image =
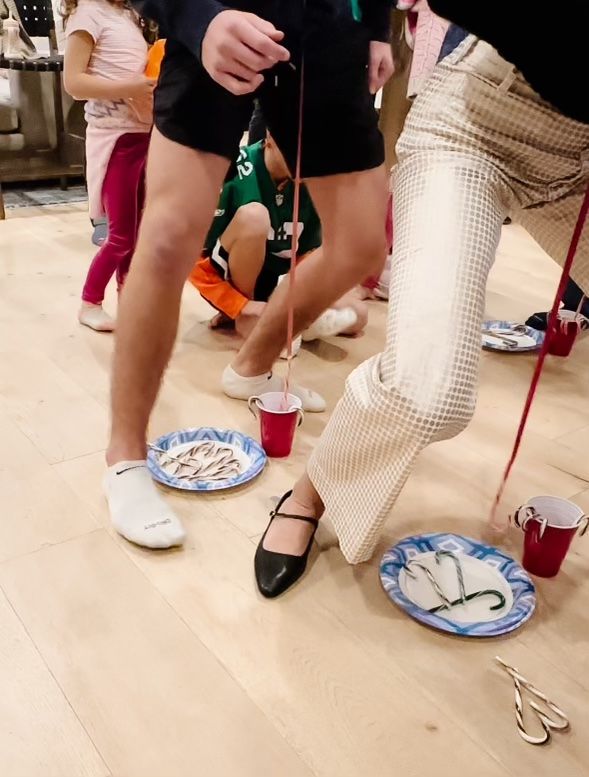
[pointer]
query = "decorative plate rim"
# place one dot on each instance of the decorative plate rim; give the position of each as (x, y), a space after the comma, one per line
(498, 324)
(248, 444)
(392, 563)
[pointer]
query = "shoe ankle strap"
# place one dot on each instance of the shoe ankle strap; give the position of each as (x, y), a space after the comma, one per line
(313, 521)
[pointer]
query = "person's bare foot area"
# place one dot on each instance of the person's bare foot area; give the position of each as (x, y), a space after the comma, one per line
(95, 317)
(221, 321)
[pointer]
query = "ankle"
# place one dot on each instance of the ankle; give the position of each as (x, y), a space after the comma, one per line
(125, 451)
(306, 498)
(246, 368)
(297, 506)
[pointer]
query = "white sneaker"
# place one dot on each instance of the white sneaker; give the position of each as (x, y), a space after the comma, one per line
(238, 387)
(296, 347)
(332, 322)
(382, 289)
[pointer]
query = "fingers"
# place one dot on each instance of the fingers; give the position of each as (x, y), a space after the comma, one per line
(238, 47)
(242, 72)
(251, 59)
(379, 72)
(387, 71)
(266, 28)
(374, 76)
(263, 41)
(237, 86)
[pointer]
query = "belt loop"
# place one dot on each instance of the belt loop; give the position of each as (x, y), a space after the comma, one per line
(509, 80)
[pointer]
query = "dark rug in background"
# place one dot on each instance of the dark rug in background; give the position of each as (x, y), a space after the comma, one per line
(35, 195)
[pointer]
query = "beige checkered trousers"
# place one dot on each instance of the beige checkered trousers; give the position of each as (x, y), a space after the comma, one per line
(479, 144)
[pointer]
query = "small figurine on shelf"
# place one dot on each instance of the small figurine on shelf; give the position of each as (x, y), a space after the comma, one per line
(11, 47)
(15, 43)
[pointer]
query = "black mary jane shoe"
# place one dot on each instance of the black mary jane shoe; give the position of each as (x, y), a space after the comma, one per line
(277, 572)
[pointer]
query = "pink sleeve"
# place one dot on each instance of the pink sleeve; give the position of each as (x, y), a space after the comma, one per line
(85, 18)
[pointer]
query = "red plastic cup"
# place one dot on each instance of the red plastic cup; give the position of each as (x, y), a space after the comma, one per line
(562, 337)
(279, 415)
(549, 523)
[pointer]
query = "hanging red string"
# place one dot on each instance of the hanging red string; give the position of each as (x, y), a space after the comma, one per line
(550, 331)
(295, 236)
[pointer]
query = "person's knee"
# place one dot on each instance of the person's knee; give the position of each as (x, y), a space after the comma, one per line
(360, 254)
(436, 407)
(456, 414)
(170, 242)
(251, 221)
(448, 409)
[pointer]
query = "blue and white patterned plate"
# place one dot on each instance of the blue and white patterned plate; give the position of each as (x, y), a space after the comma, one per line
(529, 339)
(484, 567)
(249, 452)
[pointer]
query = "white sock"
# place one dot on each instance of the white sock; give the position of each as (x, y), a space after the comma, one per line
(95, 317)
(382, 290)
(238, 387)
(296, 347)
(332, 322)
(137, 510)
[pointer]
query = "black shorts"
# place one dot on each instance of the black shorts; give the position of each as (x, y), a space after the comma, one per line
(340, 125)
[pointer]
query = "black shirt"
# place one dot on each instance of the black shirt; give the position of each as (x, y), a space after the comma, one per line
(552, 57)
(187, 21)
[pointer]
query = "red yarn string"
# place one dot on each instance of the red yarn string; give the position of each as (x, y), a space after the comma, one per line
(550, 331)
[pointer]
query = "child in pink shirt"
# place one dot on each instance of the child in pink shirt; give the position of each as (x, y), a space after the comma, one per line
(105, 60)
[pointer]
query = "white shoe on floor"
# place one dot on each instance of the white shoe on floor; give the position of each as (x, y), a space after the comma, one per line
(137, 510)
(95, 317)
(382, 289)
(332, 322)
(238, 387)
(296, 347)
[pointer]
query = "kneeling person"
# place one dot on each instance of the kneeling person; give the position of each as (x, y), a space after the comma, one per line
(248, 249)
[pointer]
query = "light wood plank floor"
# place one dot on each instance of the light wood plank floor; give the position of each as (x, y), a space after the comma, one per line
(115, 662)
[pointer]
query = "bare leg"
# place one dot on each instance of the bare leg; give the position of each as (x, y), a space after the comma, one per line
(182, 191)
(292, 537)
(352, 210)
(417, 391)
(245, 241)
(247, 322)
(354, 244)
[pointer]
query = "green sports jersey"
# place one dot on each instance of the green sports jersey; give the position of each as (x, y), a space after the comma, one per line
(253, 183)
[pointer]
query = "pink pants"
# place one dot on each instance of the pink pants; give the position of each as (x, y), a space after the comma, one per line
(123, 195)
